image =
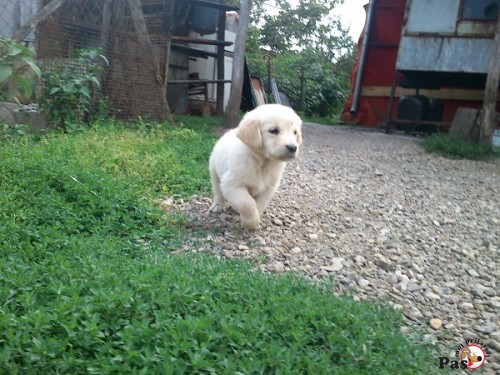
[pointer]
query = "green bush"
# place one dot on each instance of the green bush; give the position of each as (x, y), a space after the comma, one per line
(68, 92)
(14, 58)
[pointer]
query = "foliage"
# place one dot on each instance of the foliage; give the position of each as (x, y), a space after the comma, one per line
(88, 285)
(456, 148)
(310, 55)
(68, 92)
(14, 59)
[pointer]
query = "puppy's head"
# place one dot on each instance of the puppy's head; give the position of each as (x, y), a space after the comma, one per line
(272, 130)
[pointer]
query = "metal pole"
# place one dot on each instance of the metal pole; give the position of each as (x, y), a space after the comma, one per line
(362, 58)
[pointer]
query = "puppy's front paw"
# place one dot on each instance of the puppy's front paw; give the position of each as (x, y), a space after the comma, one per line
(252, 221)
(216, 207)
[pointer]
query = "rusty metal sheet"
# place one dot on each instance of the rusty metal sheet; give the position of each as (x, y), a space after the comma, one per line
(430, 16)
(444, 54)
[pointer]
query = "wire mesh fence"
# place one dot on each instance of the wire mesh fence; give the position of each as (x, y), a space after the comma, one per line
(133, 35)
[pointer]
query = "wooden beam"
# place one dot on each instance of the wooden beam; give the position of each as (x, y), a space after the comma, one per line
(445, 94)
(233, 107)
(196, 81)
(208, 4)
(186, 39)
(221, 35)
(489, 123)
(41, 16)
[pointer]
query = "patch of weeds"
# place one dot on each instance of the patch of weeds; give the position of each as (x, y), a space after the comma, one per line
(457, 149)
(205, 124)
(190, 314)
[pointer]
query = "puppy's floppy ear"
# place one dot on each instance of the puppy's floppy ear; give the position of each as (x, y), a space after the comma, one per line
(249, 132)
(299, 137)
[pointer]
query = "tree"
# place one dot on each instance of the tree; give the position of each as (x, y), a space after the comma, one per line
(312, 55)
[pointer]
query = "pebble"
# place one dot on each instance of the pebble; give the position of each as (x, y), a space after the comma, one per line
(363, 283)
(432, 296)
(435, 323)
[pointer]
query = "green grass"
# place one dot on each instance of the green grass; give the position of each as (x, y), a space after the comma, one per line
(456, 148)
(87, 285)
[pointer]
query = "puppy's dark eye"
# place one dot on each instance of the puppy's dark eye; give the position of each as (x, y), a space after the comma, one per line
(295, 132)
(274, 131)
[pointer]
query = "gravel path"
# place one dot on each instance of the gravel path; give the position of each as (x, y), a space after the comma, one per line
(386, 220)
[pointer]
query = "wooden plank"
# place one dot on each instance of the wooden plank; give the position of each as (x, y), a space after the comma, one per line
(209, 42)
(449, 94)
(208, 4)
(197, 81)
(195, 52)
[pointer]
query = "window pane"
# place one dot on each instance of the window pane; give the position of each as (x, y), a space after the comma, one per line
(480, 9)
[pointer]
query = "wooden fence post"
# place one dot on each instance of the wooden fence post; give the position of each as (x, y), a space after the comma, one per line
(491, 90)
(238, 65)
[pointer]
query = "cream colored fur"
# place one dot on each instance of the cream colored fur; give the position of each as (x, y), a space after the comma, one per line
(247, 162)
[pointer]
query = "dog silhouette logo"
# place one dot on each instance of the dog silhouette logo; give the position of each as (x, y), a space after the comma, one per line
(474, 355)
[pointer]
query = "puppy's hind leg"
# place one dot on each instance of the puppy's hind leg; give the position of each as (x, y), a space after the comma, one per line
(218, 202)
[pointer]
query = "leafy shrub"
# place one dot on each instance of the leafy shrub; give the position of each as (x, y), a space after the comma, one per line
(14, 58)
(68, 92)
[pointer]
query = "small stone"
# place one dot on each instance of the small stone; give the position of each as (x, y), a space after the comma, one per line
(278, 222)
(490, 292)
(363, 283)
(277, 267)
(472, 272)
(336, 265)
(383, 263)
(466, 306)
(296, 250)
(167, 203)
(345, 281)
(243, 247)
(494, 344)
(227, 253)
(487, 328)
(392, 279)
(416, 313)
(436, 323)
(403, 286)
(313, 236)
(432, 296)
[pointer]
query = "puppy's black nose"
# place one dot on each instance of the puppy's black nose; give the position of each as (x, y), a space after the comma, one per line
(291, 148)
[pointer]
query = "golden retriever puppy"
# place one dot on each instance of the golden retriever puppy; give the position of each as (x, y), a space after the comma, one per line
(247, 162)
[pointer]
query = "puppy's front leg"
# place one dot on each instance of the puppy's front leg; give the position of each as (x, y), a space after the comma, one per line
(242, 201)
(265, 197)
